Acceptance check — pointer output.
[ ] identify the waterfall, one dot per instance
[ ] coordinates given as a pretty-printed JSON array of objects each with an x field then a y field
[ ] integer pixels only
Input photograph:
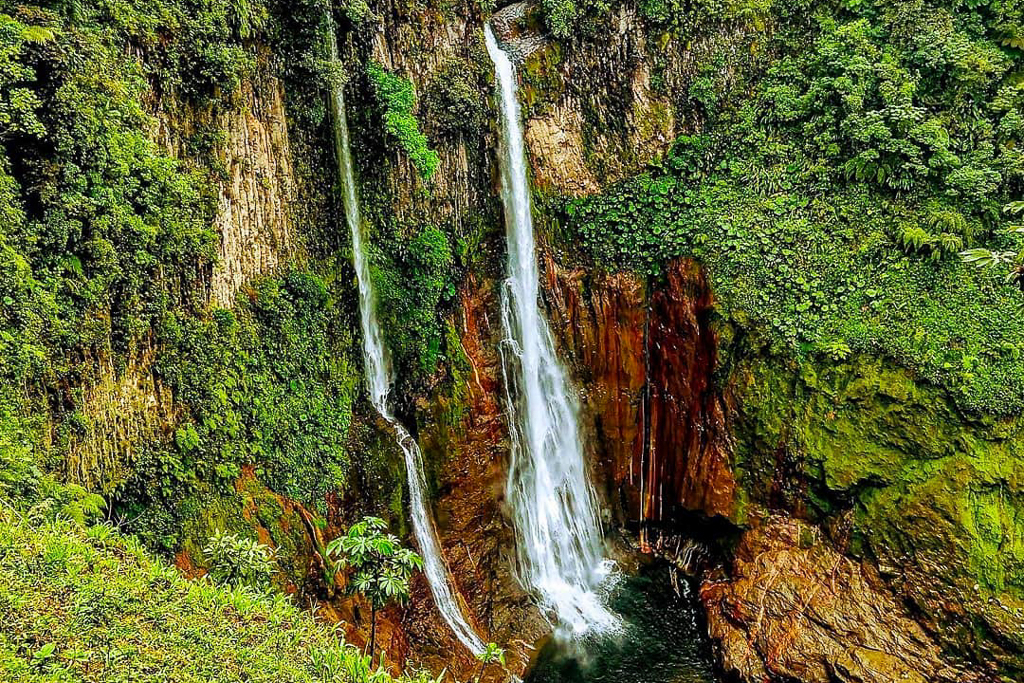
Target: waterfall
[
  {"x": 378, "y": 381},
  {"x": 554, "y": 506}
]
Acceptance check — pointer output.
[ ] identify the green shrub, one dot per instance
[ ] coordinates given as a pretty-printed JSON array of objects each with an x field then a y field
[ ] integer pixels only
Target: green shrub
[
  {"x": 561, "y": 16},
  {"x": 235, "y": 561},
  {"x": 412, "y": 284},
  {"x": 397, "y": 100},
  {"x": 452, "y": 101}
]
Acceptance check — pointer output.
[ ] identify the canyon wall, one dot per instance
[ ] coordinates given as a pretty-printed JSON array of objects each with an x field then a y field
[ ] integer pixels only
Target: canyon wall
[
  {"x": 692, "y": 422},
  {"x": 645, "y": 354},
  {"x": 128, "y": 404}
]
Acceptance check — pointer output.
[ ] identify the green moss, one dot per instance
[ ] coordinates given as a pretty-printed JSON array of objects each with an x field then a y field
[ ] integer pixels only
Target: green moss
[
  {"x": 252, "y": 511},
  {"x": 452, "y": 102},
  {"x": 932, "y": 492},
  {"x": 542, "y": 80}
]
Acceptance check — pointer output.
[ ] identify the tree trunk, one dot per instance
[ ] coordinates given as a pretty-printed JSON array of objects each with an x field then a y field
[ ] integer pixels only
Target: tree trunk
[{"x": 373, "y": 628}]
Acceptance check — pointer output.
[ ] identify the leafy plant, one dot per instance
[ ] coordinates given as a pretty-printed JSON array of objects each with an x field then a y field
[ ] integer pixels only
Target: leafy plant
[
  {"x": 381, "y": 567},
  {"x": 836, "y": 349},
  {"x": 491, "y": 654},
  {"x": 397, "y": 100},
  {"x": 236, "y": 561},
  {"x": 412, "y": 286}
]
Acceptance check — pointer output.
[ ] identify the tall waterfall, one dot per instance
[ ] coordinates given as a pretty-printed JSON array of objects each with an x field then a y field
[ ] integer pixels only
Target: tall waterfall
[
  {"x": 560, "y": 544},
  {"x": 378, "y": 380}
]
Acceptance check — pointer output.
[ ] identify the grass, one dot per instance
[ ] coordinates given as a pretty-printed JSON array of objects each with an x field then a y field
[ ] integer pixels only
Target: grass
[{"x": 88, "y": 604}]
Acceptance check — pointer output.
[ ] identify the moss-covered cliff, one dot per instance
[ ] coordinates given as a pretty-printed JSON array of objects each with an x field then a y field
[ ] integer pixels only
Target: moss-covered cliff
[{"x": 751, "y": 216}]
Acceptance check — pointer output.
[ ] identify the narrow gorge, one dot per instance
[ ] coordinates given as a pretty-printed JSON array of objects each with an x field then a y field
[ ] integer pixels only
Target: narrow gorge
[{"x": 557, "y": 341}]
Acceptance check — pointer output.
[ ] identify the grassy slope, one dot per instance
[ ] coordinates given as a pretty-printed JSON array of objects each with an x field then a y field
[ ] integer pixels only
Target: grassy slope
[{"x": 113, "y": 613}]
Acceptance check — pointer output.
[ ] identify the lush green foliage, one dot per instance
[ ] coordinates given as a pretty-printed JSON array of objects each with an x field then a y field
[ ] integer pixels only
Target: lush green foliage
[
  {"x": 561, "y": 16},
  {"x": 397, "y": 100},
  {"x": 855, "y": 156},
  {"x": 101, "y": 230},
  {"x": 381, "y": 567},
  {"x": 90, "y": 605},
  {"x": 108, "y": 245},
  {"x": 452, "y": 102},
  {"x": 270, "y": 384},
  {"x": 412, "y": 279},
  {"x": 566, "y": 19},
  {"x": 236, "y": 561}
]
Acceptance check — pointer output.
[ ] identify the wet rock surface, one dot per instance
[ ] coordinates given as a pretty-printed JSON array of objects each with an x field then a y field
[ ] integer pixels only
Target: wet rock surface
[
  {"x": 793, "y": 608},
  {"x": 645, "y": 352},
  {"x": 466, "y": 443}
]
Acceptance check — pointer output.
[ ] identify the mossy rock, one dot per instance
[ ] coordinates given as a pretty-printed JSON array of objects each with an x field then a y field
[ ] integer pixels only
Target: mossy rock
[{"x": 936, "y": 497}]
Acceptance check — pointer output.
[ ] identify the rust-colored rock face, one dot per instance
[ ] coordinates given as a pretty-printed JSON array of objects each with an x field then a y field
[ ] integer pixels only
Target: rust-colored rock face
[
  {"x": 467, "y": 444},
  {"x": 796, "y": 609},
  {"x": 687, "y": 447},
  {"x": 644, "y": 354}
]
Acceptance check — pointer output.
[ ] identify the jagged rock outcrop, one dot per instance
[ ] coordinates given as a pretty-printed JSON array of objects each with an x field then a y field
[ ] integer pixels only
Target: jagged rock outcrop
[
  {"x": 592, "y": 110},
  {"x": 253, "y": 219},
  {"x": 793, "y": 608},
  {"x": 258, "y": 187}
]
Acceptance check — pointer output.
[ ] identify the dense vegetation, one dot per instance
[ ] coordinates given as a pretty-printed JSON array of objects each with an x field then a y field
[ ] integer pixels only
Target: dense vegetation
[
  {"x": 837, "y": 176},
  {"x": 110, "y": 167},
  {"x": 108, "y": 243},
  {"x": 397, "y": 99},
  {"x": 840, "y": 158},
  {"x": 270, "y": 384},
  {"x": 87, "y": 604}
]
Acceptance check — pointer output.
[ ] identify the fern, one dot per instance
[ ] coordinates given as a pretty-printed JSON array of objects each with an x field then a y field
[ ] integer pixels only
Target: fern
[
  {"x": 38, "y": 34},
  {"x": 986, "y": 258}
]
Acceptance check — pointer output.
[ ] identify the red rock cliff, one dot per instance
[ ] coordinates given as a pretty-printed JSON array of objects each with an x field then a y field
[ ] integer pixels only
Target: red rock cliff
[{"x": 644, "y": 352}]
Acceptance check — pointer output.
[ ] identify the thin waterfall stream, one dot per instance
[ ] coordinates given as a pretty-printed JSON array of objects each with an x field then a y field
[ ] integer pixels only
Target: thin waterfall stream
[
  {"x": 554, "y": 506},
  {"x": 379, "y": 381}
]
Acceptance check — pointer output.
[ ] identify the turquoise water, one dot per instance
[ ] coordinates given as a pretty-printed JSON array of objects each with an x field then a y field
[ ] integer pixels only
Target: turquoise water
[{"x": 663, "y": 640}]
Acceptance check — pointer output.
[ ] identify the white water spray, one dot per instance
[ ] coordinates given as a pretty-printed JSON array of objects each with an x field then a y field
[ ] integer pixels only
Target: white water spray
[
  {"x": 560, "y": 545},
  {"x": 378, "y": 381}
]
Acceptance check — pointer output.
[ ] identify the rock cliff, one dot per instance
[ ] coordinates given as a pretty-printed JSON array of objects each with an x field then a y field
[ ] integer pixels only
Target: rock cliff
[{"x": 866, "y": 529}]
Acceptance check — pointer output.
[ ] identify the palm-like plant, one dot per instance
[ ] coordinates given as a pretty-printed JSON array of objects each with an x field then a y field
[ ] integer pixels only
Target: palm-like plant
[
  {"x": 491, "y": 654},
  {"x": 381, "y": 566}
]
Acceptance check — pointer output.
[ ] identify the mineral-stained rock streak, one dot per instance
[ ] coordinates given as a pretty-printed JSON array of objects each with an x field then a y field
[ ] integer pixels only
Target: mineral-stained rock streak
[
  {"x": 378, "y": 380},
  {"x": 560, "y": 544}
]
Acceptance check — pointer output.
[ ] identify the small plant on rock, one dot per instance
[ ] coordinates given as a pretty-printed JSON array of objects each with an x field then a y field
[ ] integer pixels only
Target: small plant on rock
[{"x": 492, "y": 654}]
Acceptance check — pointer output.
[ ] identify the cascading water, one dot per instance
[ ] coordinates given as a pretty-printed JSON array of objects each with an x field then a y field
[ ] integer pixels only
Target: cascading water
[
  {"x": 378, "y": 380},
  {"x": 560, "y": 545}
]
